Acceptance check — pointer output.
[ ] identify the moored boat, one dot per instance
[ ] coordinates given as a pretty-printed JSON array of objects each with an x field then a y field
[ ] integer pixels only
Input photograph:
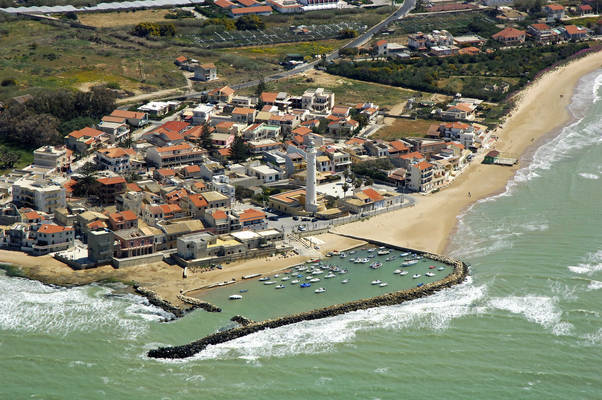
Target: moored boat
[
  {"x": 265, "y": 278},
  {"x": 330, "y": 275},
  {"x": 429, "y": 274},
  {"x": 304, "y": 285},
  {"x": 403, "y": 273},
  {"x": 376, "y": 282},
  {"x": 345, "y": 281},
  {"x": 397, "y": 271},
  {"x": 383, "y": 284},
  {"x": 280, "y": 287},
  {"x": 295, "y": 281},
  {"x": 235, "y": 297},
  {"x": 409, "y": 262},
  {"x": 314, "y": 280},
  {"x": 416, "y": 276},
  {"x": 269, "y": 282},
  {"x": 320, "y": 290}
]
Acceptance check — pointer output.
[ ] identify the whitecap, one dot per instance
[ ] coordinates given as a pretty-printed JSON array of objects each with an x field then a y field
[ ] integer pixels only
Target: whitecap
[
  {"x": 587, "y": 175},
  {"x": 594, "y": 285},
  {"x": 592, "y": 263}
]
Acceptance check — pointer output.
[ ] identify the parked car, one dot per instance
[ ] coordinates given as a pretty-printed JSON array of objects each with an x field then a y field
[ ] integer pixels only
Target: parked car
[
  {"x": 305, "y": 219},
  {"x": 295, "y": 218},
  {"x": 273, "y": 218}
]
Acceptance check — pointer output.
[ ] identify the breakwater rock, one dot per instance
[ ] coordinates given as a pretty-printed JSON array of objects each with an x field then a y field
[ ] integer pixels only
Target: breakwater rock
[
  {"x": 197, "y": 303},
  {"x": 244, "y": 321},
  {"x": 158, "y": 301},
  {"x": 458, "y": 275}
]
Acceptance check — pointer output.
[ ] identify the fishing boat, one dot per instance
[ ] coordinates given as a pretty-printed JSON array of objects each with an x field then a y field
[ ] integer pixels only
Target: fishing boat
[
  {"x": 429, "y": 274},
  {"x": 416, "y": 276},
  {"x": 294, "y": 282},
  {"x": 317, "y": 272},
  {"x": 440, "y": 268},
  {"x": 235, "y": 297},
  {"x": 431, "y": 267},
  {"x": 409, "y": 262},
  {"x": 345, "y": 281},
  {"x": 342, "y": 255},
  {"x": 352, "y": 252},
  {"x": 376, "y": 282},
  {"x": 305, "y": 285},
  {"x": 320, "y": 290},
  {"x": 383, "y": 284},
  {"x": 397, "y": 271},
  {"x": 244, "y": 290},
  {"x": 405, "y": 254},
  {"x": 265, "y": 278},
  {"x": 371, "y": 250},
  {"x": 352, "y": 259},
  {"x": 375, "y": 265},
  {"x": 269, "y": 282},
  {"x": 286, "y": 278},
  {"x": 403, "y": 273},
  {"x": 383, "y": 252},
  {"x": 420, "y": 284},
  {"x": 280, "y": 287},
  {"x": 314, "y": 280},
  {"x": 276, "y": 276},
  {"x": 343, "y": 271},
  {"x": 330, "y": 275}
]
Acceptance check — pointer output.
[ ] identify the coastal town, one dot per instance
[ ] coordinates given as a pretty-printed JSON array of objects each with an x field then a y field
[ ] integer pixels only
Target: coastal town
[{"x": 229, "y": 174}]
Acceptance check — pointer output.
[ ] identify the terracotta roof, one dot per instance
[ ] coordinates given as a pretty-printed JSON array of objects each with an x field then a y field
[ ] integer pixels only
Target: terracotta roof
[
  {"x": 458, "y": 145},
  {"x": 251, "y": 214},
  {"x": 116, "y": 152},
  {"x": 422, "y": 165},
  {"x": 181, "y": 59},
  {"x": 175, "y": 126},
  {"x": 208, "y": 66},
  {"x": 198, "y": 200},
  {"x": 469, "y": 50},
  {"x": 493, "y": 153},
  {"x": 223, "y": 3},
  {"x": 340, "y": 110},
  {"x": 219, "y": 214},
  {"x": 224, "y": 152},
  {"x": 112, "y": 180},
  {"x": 355, "y": 140},
  {"x": 301, "y": 130},
  {"x": 199, "y": 185},
  {"x": 456, "y": 125},
  {"x": 554, "y": 7},
  {"x": 195, "y": 132},
  {"x": 192, "y": 168},
  {"x": 98, "y": 224},
  {"x": 399, "y": 145},
  {"x": 132, "y": 187},
  {"x": 585, "y": 7},
  {"x": 166, "y": 171},
  {"x": 381, "y": 42},
  {"x": 251, "y": 10},
  {"x": 540, "y": 27},
  {"x": 508, "y": 33},
  {"x": 86, "y": 132},
  {"x": 268, "y": 97},
  {"x": 226, "y": 90},
  {"x": 176, "y": 195},
  {"x": 127, "y": 215},
  {"x": 574, "y": 30},
  {"x": 49, "y": 228},
  {"x": 243, "y": 110},
  {"x": 128, "y": 114},
  {"x": 373, "y": 194},
  {"x": 110, "y": 118},
  {"x": 461, "y": 107},
  {"x": 183, "y": 146},
  {"x": 412, "y": 155},
  {"x": 32, "y": 215},
  {"x": 247, "y": 3}
]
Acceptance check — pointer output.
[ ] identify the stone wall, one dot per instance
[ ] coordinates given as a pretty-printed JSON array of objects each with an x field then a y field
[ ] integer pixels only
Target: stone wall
[
  {"x": 457, "y": 276},
  {"x": 156, "y": 300}
]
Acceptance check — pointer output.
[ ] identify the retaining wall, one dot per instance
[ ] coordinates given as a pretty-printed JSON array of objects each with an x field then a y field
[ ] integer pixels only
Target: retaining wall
[{"x": 457, "y": 276}]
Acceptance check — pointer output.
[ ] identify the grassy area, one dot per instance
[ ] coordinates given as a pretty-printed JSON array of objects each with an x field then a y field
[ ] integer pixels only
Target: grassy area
[
  {"x": 403, "y": 127},
  {"x": 122, "y": 18},
  {"x": 276, "y": 53},
  {"x": 347, "y": 91},
  {"x": 368, "y": 16},
  {"x": 456, "y": 23},
  {"x": 25, "y": 156}
]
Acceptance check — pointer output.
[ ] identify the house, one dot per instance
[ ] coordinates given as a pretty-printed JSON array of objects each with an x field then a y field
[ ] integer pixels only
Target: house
[
  {"x": 369, "y": 199},
  {"x": 340, "y": 112},
  {"x": 252, "y": 219},
  {"x": 115, "y": 159},
  {"x": 195, "y": 204},
  {"x": 159, "y": 108},
  {"x": 162, "y": 175},
  {"x": 170, "y": 156},
  {"x": 469, "y": 40},
  {"x": 575, "y": 33},
  {"x": 443, "y": 51},
  {"x": 123, "y": 220},
  {"x": 511, "y": 15},
  {"x": 162, "y": 212},
  {"x": 116, "y": 130},
  {"x": 542, "y": 33},
  {"x": 52, "y": 157},
  {"x": 343, "y": 127},
  {"x": 259, "y": 146},
  {"x": 223, "y": 95},
  {"x": 85, "y": 139},
  {"x": 319, "y": 100},
  {"x": 202, "y": 113},
  {"x": 286, "y": 122},
  {"x": 255, "y": 10},
  {"x": 380, "y": 48},
  {"x": 554, "y": 12},
  {"x": 421, "y": 42},
  {"x": 110, "y": 188},
  {"x": 377, "y": 148},
  {"x": 51, "y": 238},
  {"x": 491, "y": 157},
  {"x": 340, "y": 161},
  {"x": 133, "y": 242},
  {"x": 205, "y": 72},
  {"x": 585, "y": 9},
  {"x": 419, "y": 176},
  {"x": 510, "y": 36},
  {"x": 459, "y": 111},
  {"x": 285, "y": 6},
  {"x": 244, "y": 115},
  {"x": 41, "y": 195},
  {"x": 133, "y": 118},
  {"x": 264, "y": 173}
]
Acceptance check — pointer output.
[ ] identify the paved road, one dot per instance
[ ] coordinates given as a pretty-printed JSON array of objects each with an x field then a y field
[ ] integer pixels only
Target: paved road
[{"x": 365, "y": 37}]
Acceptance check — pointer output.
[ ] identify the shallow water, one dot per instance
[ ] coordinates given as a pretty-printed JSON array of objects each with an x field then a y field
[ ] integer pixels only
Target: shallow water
[{"x": 526, "y": 324}]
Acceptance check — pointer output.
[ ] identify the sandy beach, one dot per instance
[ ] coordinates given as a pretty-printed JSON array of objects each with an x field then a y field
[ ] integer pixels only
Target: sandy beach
[{"x": 541, "y": 109}]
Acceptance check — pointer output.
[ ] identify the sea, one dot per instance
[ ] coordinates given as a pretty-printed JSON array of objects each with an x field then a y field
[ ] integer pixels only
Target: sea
[{"x": 525, "y": 325}]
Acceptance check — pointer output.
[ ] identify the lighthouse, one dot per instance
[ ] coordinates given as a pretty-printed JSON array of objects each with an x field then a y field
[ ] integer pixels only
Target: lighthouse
[{"x": 311, "y": 204}]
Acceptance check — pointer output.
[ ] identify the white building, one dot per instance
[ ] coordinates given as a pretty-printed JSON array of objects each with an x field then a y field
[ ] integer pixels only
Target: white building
[
  {"x": 169, "y": 156},
  {"x": 41, "y": 195},
  {"x": 319, "y": 100},
  {"x": 202, "y": 113},
  {"x": 54, "y": 157},
  {"x": 114, "y": 159},
  {"x": 311, "y": 202}
]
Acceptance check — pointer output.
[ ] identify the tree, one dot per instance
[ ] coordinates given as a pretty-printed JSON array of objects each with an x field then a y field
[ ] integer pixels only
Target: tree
[
  {"x": 347, "y": 33},
  {"x": 206, "y": 141},
  {"x": 346, "y": 187},
  {"x": 85, "y": 187},
  {"x": 8, "y": 158},
  {"x": 239, "y": 151},
  {"x": 249, "y": 23}
]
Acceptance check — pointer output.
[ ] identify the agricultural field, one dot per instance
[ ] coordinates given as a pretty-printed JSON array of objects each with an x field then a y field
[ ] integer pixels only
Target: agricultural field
[
  {"x": 402, "y": 127},
  {"x": 456, "y": 24},
  {"x": 122, "y": 18},
  {"x": 276, "y": 53}
]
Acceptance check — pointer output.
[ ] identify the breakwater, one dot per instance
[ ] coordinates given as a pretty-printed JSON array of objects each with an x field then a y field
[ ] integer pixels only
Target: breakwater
[
  {"x": 158, "y": 301},
  {"x": 460, "y": 271},
  {"x": 197, "y": 303}
]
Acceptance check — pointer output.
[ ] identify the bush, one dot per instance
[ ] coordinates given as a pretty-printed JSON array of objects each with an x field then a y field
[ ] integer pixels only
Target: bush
[
  {"x": 249, "y": 23},
  {"x": 149, "y": 29},
  {"x": 8, "y": 82}
]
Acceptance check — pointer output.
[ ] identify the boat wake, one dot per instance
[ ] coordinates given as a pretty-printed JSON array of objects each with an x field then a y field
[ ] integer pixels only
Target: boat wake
[
  {"x": 308, "y": 337},
  {"x": 30, "y": 306}
]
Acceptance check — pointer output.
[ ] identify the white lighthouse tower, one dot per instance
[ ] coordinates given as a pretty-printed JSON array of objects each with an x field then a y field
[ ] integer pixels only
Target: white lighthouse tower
[{"x": 311, "y": 204}]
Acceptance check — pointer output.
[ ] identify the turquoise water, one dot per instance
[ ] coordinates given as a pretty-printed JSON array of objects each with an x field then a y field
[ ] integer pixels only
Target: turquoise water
[{"x": 525, "y": 325}]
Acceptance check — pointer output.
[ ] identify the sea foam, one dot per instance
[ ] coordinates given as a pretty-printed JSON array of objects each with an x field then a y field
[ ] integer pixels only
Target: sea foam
[{"x": 592, "y": 262}]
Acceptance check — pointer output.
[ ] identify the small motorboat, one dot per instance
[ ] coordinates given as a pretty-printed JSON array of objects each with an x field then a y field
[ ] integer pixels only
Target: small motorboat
[
  {"x": 409, "y": 262},
  {"x": 383, "y": 284},
  {"x": 269, "y": 282},
  {"x": 276, "y": 276},
  {"x": 342, "y": 255},
  {"x": 294, "y": 282},
  {"x": 345, "y": 281},
  {"x": 404, "y": 254},
  {"x": 300, "y": 276},
  {"x": 235, "y": 297},
  {"x": 280, "y": 287},
  {"x": 375, "y": 265},
  {"x": 320, "y": 290},
  {"x": 314, "y": 280},
  {"x": 440, "y": 268},
  {"x": 416, "y": 276},
  {"x": 383, "y": 252},
  {"x": 431, "y": 267},
  {"x": 342, "y": 271},
  {"x": 376, "y": 282},
  {"x": 420, "y": 284},
  {"x": 371, "y": 250},
  {"x": 403, "y": 273},
  {"x": 429, "y": 274},
  {"x": 382, "y": 247},
  {"x": 286, "y": 278},
  {"x": 371, "y": 255},
  {"x": 317, "y": 272},
  {"x": 397, "y": 271},
  {"x": 265, "y": 278},
  {"x": 244, "y": 290},
  {"x": 352, "y": 259},
  {"x": 330, "y": 275},
  {"x": 305, "y": 285}
]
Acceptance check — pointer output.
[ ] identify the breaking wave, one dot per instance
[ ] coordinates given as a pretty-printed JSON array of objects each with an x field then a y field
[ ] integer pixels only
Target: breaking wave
[
  {"x": 588, "y": 175},
  {"x": 592, "y": 262}
]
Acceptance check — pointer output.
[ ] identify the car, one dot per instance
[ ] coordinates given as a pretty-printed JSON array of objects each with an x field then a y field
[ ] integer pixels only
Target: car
[
  {"x": 301, "y": 229},
  {"x": 314, "y": 219},
  {"x": 305, "y": 219},
  {"x": 296, "y": 218},
  {"x": 273, "y": 218}
]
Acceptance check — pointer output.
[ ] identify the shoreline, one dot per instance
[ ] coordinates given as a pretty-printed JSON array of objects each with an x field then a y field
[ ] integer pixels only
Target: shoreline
[{"x": 541, "y": 109}]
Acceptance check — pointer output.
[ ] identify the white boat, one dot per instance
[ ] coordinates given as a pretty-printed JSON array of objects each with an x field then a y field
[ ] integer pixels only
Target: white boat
[
  {"x": 343, "y": 271},
  {"x": 404, "y": 254},
  {"x": 383, "y": 284},
  {"x": 375, "y": 265},
  {"x": 383, "y": 252},
  {"x": 440, "y": 268},
  {"x": 352, "y": 252},
  {"x": 276, "y": 276},
  {"x": 403, "y": 273},
  {"x": 376, "y": 282},
  {"x": 295, "y": 281},
  {"x": 265, "y": 278},
  {"x": 320, "y": 290},
  {"x": 286, "y": 278},
  {"x": 342, "y": 255},
  {"x": 409, "y": 262},
  {"x": 330, "y": 275},
  {"x": 429, "y": 274},
  {"x": 416, "y": 276},
  {"x": 345, "y": 281},
  {"x": 269, "y": 283},
  {"x": 280, "y": 287},
  {"x": 235, "y": 297},
  {"x": 397, "y": 271},
  {"x": 317, "y": 272},
  {"x": 313, "y": 280},
  {"x": 371, "y": 250}
]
